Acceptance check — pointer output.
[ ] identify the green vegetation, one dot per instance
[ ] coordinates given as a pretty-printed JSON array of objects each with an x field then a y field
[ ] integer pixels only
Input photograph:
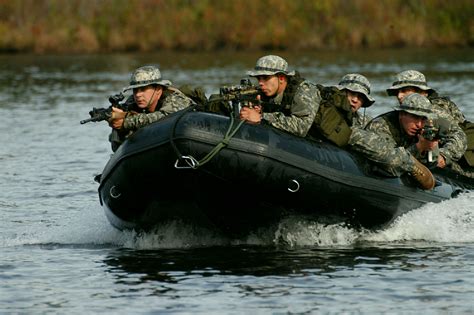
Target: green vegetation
[{"x": 89, "y": 26}]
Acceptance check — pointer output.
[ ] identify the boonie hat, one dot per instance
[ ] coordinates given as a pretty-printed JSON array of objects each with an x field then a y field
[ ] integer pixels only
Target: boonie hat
[
  {"x": 146, "y": 75},
  {"x": 357, "y": 83},
  {"x": 270, "y": 65},
  {"x": 418, "y": 105},
  {"x": 409, "y": 78}
]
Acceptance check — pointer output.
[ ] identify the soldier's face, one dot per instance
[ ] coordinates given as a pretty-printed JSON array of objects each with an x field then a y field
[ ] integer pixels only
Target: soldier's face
[
  {"x": 356, "y": 100},
  {"x": 147, "y": 96},
  {"x": 412, "y": 124},
  {"x": 271, "y": 85},
  {"x": 403, "y": 92}
]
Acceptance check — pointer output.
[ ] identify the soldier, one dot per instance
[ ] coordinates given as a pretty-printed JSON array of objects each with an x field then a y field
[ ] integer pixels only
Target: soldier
[
  {"x": 338, "y": 110},
  {"x": 394, "y": 140},
  {"x": 454, "y": 145},
  {"x": 357, "y": 89},
  {"x": 290, "y": 102},
  {"x": 153, "y": 99}
]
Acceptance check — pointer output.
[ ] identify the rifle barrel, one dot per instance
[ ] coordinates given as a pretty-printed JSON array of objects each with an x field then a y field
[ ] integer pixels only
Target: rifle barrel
[{"x": 85, "y": 121}]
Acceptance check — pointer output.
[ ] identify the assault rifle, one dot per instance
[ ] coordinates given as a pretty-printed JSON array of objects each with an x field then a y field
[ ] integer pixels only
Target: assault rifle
[
  {"x": 100, "y": 114},
  {"x": 244, "y": 94}
]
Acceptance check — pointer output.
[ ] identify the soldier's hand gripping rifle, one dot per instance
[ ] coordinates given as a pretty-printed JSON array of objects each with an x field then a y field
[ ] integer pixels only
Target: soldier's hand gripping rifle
[
  {"x": 100, "y": 114},
  {"x": 435, "y": 130}
]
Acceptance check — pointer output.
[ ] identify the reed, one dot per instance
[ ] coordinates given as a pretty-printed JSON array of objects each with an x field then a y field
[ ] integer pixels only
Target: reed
[{"x": 95, "y": 26}]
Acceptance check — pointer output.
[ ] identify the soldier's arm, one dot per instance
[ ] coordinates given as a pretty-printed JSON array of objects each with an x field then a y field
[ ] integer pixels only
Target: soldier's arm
[
  {"x": 377, "y": 145},
  {"x": 454, "y": 145},
  {"x": 173, "y": 103},
  {"x": 448, "y": 107},
  {"x": 303, "y": 110}
]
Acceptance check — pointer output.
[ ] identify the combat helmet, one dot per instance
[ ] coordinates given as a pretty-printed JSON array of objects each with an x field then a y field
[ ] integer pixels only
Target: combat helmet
[
  {"x": 357, "y": 83},
  {"x": 146, "y": 75},
  {"x": 270, "y": 65},
  {"x": 418, "y": 105},
  {"x": 409, "y": 78}
]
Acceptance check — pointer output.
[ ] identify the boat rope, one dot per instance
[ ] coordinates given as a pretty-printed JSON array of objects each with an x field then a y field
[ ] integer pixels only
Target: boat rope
[
  {"x": 191, "y": 161},
  {"x": 224, "y": 142}
]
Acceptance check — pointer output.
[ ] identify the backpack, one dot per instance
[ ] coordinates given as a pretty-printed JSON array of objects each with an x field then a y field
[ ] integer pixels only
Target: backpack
[
  {"x": 468, "y": 128},
  {"x": 196, "y": 94},
  {"x": 334, "y": 116}
]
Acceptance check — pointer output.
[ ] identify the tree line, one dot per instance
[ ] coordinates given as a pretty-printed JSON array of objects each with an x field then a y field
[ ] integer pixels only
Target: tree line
[{"x": 97, "y": 26}]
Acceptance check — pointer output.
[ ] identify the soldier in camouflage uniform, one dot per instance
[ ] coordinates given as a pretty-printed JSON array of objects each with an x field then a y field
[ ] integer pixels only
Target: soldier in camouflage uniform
[
  {"x": 412, "y": 81},
  {"x": 153, "y": 98},
  {"x": 290, "y": 102},
  {"x": 454, "y": 144},
  {"x": 394, "y": 142},
  {"x": 338, "y": 110},
  {"x": 357, "y": 89}
]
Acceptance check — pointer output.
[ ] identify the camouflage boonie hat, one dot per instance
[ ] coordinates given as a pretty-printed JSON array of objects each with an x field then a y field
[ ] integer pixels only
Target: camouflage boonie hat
[
  {"x": 270, "y": 65},
  {"x": 357, "y": 83},
  {"x": 418, "y": 105},
  {"x": 409, "y": 78},
  {"x": 146, "y": 75}
]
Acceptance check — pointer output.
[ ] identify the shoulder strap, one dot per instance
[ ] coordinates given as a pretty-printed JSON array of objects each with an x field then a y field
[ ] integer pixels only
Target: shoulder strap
[{"x": 289, "y": 94}]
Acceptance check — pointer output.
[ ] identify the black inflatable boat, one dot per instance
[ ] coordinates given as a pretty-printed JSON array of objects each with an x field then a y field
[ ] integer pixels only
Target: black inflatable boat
[{"x": 180, "y": 169}]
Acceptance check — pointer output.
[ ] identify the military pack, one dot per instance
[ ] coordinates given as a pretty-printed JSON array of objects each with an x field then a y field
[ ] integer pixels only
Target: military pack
[
  {"x": 468, "y": 128},
  {"x": 334, "y": 117}
]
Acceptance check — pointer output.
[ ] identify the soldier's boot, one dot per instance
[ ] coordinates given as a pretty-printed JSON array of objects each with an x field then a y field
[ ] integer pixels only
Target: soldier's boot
[{"x": 422, "y": 175}]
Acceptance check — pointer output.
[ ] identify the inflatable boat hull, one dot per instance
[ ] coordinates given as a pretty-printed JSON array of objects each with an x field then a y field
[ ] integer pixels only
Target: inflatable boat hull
[{"x": 262, "y": 175}]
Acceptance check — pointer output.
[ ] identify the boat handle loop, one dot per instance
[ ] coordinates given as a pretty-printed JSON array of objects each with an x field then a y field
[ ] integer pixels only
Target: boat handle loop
[
  {"x": 297, "y": 186},
  {"x": 113, "y": 193},
  {"x": 190, "y": 160}
]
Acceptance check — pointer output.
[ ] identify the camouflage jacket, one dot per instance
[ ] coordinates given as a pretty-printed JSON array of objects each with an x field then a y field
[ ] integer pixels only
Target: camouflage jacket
[
  {"x": 170, "y": 102},
  {"x": 376, "y": 142},
  {"x": 296, "y": 115},
  {"x": 359, "y": 120},
  {"x": 454, "y": 144},
  {"x": 389, "y": 128},
  {"x": 444, "y": 104},
  {"x": 451, "y": 147},
  {"x": 385, "y": 134}
]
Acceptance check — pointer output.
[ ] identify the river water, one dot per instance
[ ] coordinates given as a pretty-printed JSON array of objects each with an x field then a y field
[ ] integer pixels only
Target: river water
[{"x": 59, "y": 254}]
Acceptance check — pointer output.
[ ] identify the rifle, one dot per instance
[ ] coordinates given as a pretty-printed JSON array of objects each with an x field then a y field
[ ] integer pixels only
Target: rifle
[
  {"x": 244, "y": 94},
  {"x": 100, "y": 114},
  {"x": 435, "y": 130}
]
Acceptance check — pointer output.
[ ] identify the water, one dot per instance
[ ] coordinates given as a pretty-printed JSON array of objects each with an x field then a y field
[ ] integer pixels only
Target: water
[{"x": 60, "y": 255}]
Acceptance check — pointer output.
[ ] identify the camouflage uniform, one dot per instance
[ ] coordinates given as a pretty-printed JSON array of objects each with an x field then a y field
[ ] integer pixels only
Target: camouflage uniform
[
  {"x": 356, "y": 82},
  {"x": 384, "y": 141},
  {"x": 335, "y": 117},
  {"x": 413, "y": 78},
  {"x": 360, "y": 121},
  {"x": 455, "y": 142},
  {"x": 293, "y": 114},
  {"x": 171, "y": 101}
]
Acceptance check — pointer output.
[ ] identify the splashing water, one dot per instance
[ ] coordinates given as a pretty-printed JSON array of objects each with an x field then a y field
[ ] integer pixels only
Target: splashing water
[{"x": 449, "y": 221}]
